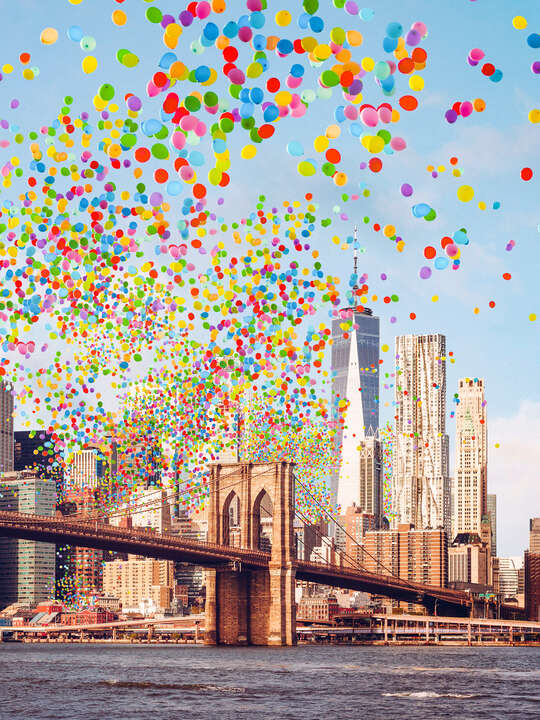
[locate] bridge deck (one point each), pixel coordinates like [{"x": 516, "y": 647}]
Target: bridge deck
[{"x": 99, "y": 535}]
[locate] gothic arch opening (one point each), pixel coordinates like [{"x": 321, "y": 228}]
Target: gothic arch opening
[
  {"x": 231, "y": 520},
  {"x": 263, "y": 520}
]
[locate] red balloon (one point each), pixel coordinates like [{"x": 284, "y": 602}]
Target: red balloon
[{"x": 526, "y": 173}]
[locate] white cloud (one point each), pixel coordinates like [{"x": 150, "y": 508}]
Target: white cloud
[{"x": 514, "y": 475}]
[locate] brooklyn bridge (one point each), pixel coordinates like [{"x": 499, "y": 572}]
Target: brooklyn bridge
[{"x": 250, "y": 589}]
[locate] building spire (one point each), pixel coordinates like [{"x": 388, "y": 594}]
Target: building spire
[{"x": 355, "y": 260}]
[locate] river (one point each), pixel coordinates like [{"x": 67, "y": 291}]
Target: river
[{"x": 128, "y": 682}]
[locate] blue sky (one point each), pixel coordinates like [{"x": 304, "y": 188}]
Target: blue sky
[{"x": 500, "y": 344}]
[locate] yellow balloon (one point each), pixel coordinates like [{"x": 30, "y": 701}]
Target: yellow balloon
[
  {"x": 465, "y": 193},
  {"x": 389, "y": 231},
  {"x": 376, "y": 144},
  {"x": 416, "y": 83},
  {"x": 532, "y": 317},
  {"x": 368, "y": 64},
  {"x": 519, "y": 22},
  {"x": 248, "y": 152},
  {"x": 49, "y": 36},
  {"x": 283, "y": 98},
  {"x": 119, "y": 18},
  {"x": 89, "y": 64},
  {"x": 322, "y": 52},
  {"x": 306, "y": 168},
  {"x": 534, "y": 116},
  {"x": 283, "y": 18},
  {"x": 320, "y": 143}
]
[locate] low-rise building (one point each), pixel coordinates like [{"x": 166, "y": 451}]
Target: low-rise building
[{"x": 318, "y": 607}]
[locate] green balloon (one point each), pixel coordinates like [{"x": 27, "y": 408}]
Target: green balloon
[
  {"x": 106, "y": 92},
  {"x": 159, "y": 151},
  {"x": 329, "y": 78}
]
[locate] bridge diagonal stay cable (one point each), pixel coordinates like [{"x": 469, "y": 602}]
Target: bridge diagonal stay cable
[{"x": 329, "y": 515}]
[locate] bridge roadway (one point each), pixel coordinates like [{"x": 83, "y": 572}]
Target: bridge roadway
[{"x": 93, "y": 534}]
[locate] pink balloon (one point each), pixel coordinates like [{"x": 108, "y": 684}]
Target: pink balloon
[
  {"x": 466, "y": 108},
  {"x": 186, "y": 172},
  {"x": 398, "y": 143},
  {"x": 351, "y": 113},
  {"x": 385, "y": 115},
  {"x": 294, "y": 82},
  {"x": 178, "y": 139},
  {"x": 369, "y": 117}
]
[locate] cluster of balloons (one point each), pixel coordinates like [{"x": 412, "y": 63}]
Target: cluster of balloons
[
  {"x": 488, "y": 69},
  {"x": 464, "y": 109}
]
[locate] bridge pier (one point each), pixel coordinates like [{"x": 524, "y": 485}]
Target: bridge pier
[{"x": 250, "y": 606}]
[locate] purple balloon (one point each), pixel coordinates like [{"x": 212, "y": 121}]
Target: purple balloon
[
  {"x": 535, "y": 67},
  {"x": 156, "y": 199},
  {"x": 413, "y": 38},
  {"x": 186, "y": 18},
  {"x": 134, "y": 103},
  {"x": 451, "y": 116},
  {"x": 406, "y": 190},
  {"x": 425, "y": 272}
]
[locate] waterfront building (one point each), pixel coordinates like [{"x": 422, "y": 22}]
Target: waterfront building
[
  {"x": 417, "y": 555},
  {"x": 421, "y": 485},
  {"x": 506, "y": 580},
  {"x": 6, "y": 428},
  {"x": 317, "y": 607},
  {"x": 469, "y": 561},
  {"x": 136, "y": 580},
  {"x": 470, "y": 475},
  {"x": 492, "y": 514},
  {"x": 88, "y": 470},
  {"x": 27, "y": 568}
]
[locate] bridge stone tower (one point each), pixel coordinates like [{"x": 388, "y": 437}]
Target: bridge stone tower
[{"x": 251, "y": 506}]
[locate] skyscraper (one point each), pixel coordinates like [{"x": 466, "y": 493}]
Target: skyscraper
[
  {"x": 421, "y": 486},
  {"x": 492, "y": 513},
  {"x": 534, "y": 535},
  {"x": 27, "y": 568},
  {"x": 355, "y": 386},
  {"x": 6, "y": 428},
  {"x": 470, "y": 475}
]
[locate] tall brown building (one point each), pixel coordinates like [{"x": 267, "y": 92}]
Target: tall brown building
[
  {"x": 534, "y": 535},
  {"x": 354, "y": 524},
  {"x": 532, "y": 585},
  {"x": 416, "y": 555}
]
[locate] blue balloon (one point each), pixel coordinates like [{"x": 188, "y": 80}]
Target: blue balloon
[
  {"x": 389, "y": 44},
  {"x": 366, "y": 14},
  {"x": 244, "y": 95},
  {"x": 420, "y": 210},
  {"x": 441, "y": 262},
  {"x": 259, "y": 42},
  {"x": 460, "y": 237},
  {"x": 167, "y": 60},
  {"x": 295, "y": 148},
  {"x": 297, "y": 70},
  {"x": 316, "y": 24},
  {"x": 303, "y": 21},
  {"x": 151, "y": 127},
  {"x": 219, "y": 146},
  {"x": 75, "y": 33},
  {"x": 271, "y": 113},
  {"x": 285, "y": 47},
  {"x": 497, "y": 76},
  {"x": 246, "y": 110},
  {"x": 211, "y": 31},
  {"x": 196, "y": 158},
  {"x": 256, "y": 96},
  {"x": 534, "y": 40},
  {"x": 202, "y": 73},
  {"x": 174, "y": 188},
  {"x": 230, "y": 30},
  {"x": 339, "y": 114},
  {"x": 394, "y": 29},
  {"x": 355, "y": 129},
  {"x": 257, "y": 20}
]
